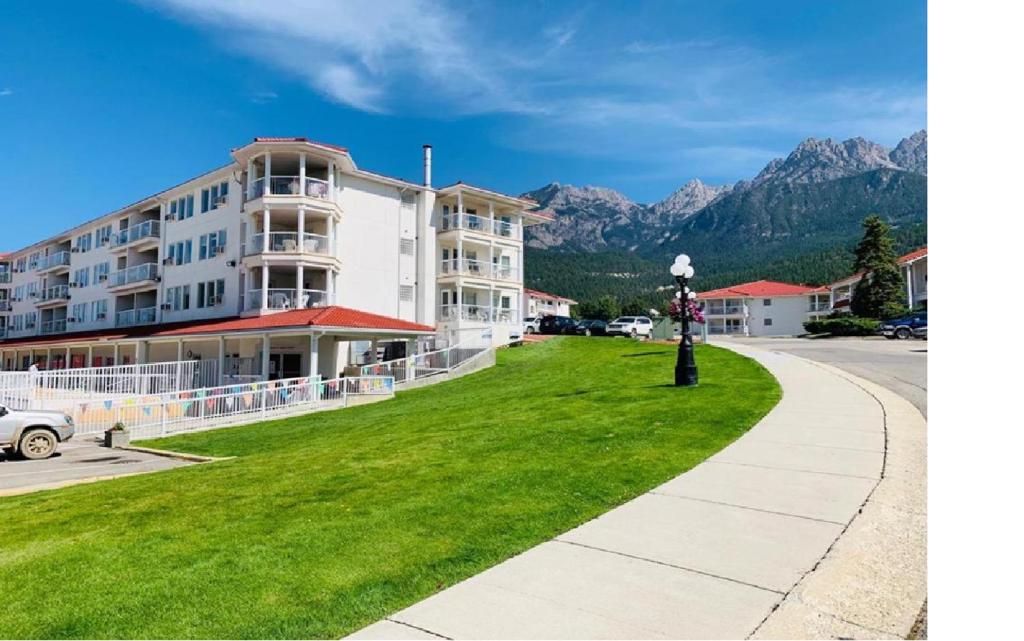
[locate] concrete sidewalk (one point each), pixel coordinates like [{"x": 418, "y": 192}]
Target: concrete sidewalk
[{"x": 763, "y": 539}]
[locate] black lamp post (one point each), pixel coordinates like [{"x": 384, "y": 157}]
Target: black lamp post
[{"x": 686, "y": 367}]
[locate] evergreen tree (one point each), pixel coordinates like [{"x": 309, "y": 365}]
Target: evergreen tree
[
  {"x": 605, "y": 308},
  {"x": 880, "y": 293}
]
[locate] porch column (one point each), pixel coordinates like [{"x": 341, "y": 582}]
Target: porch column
[
  {"x": 266, "y": 230},
  {"x": 302, "y": 174},
  {"x": 49, "y": 358},
  {"x": 300, "y": 272},
  {"x": 490, "y": 255},
  {"x": 490, "y": 213},
  {"x": 266, "y": 173},
  {"x": 458, "y": 295},
  {"x": 141, "y": 349},
  {"x": 181, "y": 350},
  {"x": 490, "y": 303},
  {"x": 458, "y": 263},
  {"x": 250, "y": 169},
  {"x": 265, "y": 358},
  {"x": 373, "y": 350},
  {"x": 222, "y": 344},
  {"x": 117, "y": 350},
  {"x": 330, "y": 235},
  {"x": 302, "y": 228},
  {"x": 458, "y": 204},
  {"x": 314, "y": 354},
  {"x": 264, "y": 294},
  {"x": 67, "y": 358},
  {"x": 910, "y": 286},
  {"x": 330, "y": 180}
]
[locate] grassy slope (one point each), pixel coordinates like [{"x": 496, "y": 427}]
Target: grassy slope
[{"x": 327, "y": 522}]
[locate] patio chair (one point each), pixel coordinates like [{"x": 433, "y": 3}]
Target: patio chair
[{"x": 289, "y": 245}]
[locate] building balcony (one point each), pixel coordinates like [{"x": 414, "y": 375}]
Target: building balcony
[
  {"x": 5, "y": 305},
  {"x": 54, "y": 295},
  {"x": 478, "y": 269},
  {"x": 55, "y": 262},
  {"x": 477, "y": 313},
  {"x": 288, "y": 186},
  {"x": 480, "y": 224},
  {"x": 725, "y": 310},
  {"x": 725, "y": 329},
  {"x": 814, "y": 308},
  {"x": 132, "y": 317},
  {"x": 288, "y": 242},
  {"x": 140, "y": 275},
  {"x": 144, "y": 233},
  {"x": 5, "y": 277},
  {"x": 58, "y": 326},
  {"x": 281, "y": 299}
]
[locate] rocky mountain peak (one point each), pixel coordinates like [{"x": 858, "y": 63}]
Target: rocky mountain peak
[
  {"x": 816, "y": 160},
  {"x": 912, "y": 153},
  {"x": 691, "y": 197}
]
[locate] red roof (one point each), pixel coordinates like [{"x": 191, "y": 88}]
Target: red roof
[
  {"x": 539, "y": 294},
  {"x": 759, "y": 288},
  {"x": 912, "y": 256},
  {"x": 326, "y": 317}
]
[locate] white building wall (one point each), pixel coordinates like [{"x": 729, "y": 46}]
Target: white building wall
[{"x": 787, "y": 314}]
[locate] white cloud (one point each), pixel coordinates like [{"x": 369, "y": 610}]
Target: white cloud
[{"x": 6, "y": 91}]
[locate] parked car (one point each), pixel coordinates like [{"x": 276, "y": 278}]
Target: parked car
[
  {"x": 631, "y": 326},
  {"x": 531, "y": 325},
  {"x": 921, "y": 333},
  {"x": 34, "y": 434},
  {"x": 557, "y": 325},
  {"x": 592, "y": 327},
  {"x": 903, "y": 328}
]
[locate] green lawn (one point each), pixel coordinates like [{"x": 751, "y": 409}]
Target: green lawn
[{"x": 327, "y": 522}]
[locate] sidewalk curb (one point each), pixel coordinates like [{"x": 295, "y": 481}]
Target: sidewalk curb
[
  {"x": 183, "y": 456},
  {"x": 872, "y": 582}
]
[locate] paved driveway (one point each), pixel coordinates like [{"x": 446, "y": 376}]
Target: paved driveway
[
  {"x": 900, "y": 366},
  {"x": 79, "y": 460}
]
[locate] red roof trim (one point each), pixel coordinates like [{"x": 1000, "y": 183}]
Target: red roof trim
[
  {"x": 325, "y": 317},
  {"x": 760, "y": 288},
  {"x": 539, "y": 294}
]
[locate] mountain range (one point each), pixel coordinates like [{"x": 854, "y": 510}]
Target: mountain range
[{"x": 794, "y": 212}]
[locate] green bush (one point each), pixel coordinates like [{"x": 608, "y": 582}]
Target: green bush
[{"x": 843, "y": 326}]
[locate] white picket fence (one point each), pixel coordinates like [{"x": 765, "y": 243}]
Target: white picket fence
[
  {"x": 154, "y": 415},
  {"x": 43, "y": 388}
]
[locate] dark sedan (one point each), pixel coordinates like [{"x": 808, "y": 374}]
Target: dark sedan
[
  {"x": 557, "y": 325},
  {"x": 592, "y": 327}
]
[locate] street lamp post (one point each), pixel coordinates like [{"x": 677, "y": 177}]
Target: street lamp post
[{"x": 686, "y": 367}]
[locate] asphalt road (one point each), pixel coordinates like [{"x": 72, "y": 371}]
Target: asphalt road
[{"x": 901, "y": 366}]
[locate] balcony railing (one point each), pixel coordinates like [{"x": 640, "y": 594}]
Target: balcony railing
[
  {"x": 478, "y": 313},
  {"x": 724, "y": 310},
  {"x": 55, "y": 292},
  {"x": 288, "y": 186},
  {"x": 137, "y": 274},
  {"x": 473, "y": 222},
  {"x": 146, "y": 229},
  {"x": 726, "y": 329},
  {"x": 288, "y": 241},
  {"x": 5, "y": 277},
  {"x": 819, "y": 307},
  {"x": 54, "y": 326},
  {"x": 479, "y": 269},
  {"x": 287, "y": 298},
  {"x": 140, "y": 316},
  {"x": 54, "y": 260}
]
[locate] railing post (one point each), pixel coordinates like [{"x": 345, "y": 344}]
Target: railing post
[{"x": 163, "y": 416}]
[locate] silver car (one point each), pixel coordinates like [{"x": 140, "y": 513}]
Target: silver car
[{"x": 34, "y": 434}]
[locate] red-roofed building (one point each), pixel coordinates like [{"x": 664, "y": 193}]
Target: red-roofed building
[
  {"x": 763, "y": 308},
  {"x": 537, "y": 303},
  {"x": 914, "y": 266},
  {"x": 287, "y": 260}
]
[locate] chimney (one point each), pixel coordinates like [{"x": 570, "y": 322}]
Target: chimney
[{"x": 426, "y": 165}]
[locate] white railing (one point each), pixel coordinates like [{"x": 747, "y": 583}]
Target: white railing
[
  {"x": 54, "y": 292},
  {"x": 154, "y": 415},
  {"x": 287, "y": 298},
  {"x": 288, "y": 241},
  {"x": 726, "y": 329},
  {"x": 419, "y": 366},
  {"x": 53, "y": 260},
  {"x": 145, "y": 229},
  {"x": 724, "y": 310},
  {"x": 473, "y": 222},
  {"x": 51, "y": 389},
  {"x": 130, "y": 317},
  {"x": 819, "y": 307},
  {"x": 478, "y": 313},
  {"x": 137, "y": 274},
  {"x": 289, "y": 186},
  {"x": 54, "y": 326},
  {"x": 479, "y": 269}
]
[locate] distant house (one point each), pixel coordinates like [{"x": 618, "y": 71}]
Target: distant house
[
  {"x": 763, "y": 308},
  {"x": 914, "y": 267},
  {"x": 536, "y": 303}
]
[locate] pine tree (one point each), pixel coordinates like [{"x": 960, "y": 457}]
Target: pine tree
[{"x": 880, "y": 294}]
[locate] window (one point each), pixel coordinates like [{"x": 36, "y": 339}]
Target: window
[
  {"x": 408, "y": 247},
  {"x": 99, "y": 309},
  {"x": 20, "y": 264},
  {"x": 767, "y": 302},
  {"x": 33, "y": 260},
  {"x": 79, "y": 312},
  {"x": 100, "y": 272},
  {"x": 103, "y": 234},
  {"x": 178, "y": 298},
  {"x": 210, "y": 293},
  {"x": 81, "y": 278},
  {"x": 19, "y": 293},
  {"x": 84, "y": 243},
  {"x": 767, "y": 322},
  {"x": 212, "y": 244},
  {"x": 405, "y": 293},
  {"x": 181, "y": 253},
  {"x": 184, "y": 206}
]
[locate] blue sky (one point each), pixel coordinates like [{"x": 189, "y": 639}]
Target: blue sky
[{"x": 102, "y": 103}]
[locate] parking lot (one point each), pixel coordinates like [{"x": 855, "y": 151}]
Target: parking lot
[{"x": 77, "y": 461}]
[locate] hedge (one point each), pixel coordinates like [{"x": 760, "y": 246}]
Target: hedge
[{"x": 843, "y": 326}]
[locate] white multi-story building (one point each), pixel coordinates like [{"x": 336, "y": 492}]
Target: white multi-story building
[
  {"x": 288, "y": 260},
  {"x": 537, "y": 303},
  {"x": 914, "y": 267},
  {"x": 763, "y": 308}
]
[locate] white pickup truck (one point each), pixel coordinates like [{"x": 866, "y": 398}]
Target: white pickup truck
[{"x": 33, "y": 434}]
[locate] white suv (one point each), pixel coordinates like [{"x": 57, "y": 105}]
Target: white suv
[
  {"x": 631, "y": 326},
  {"x": 531, "y": 325},
  {"x": 33, "y": 433}
]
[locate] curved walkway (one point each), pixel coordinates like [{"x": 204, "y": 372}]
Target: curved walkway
[{"x": 811, "y": 525}]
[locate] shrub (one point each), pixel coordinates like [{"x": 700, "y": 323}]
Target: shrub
[{"x": 843, "y": 326}]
